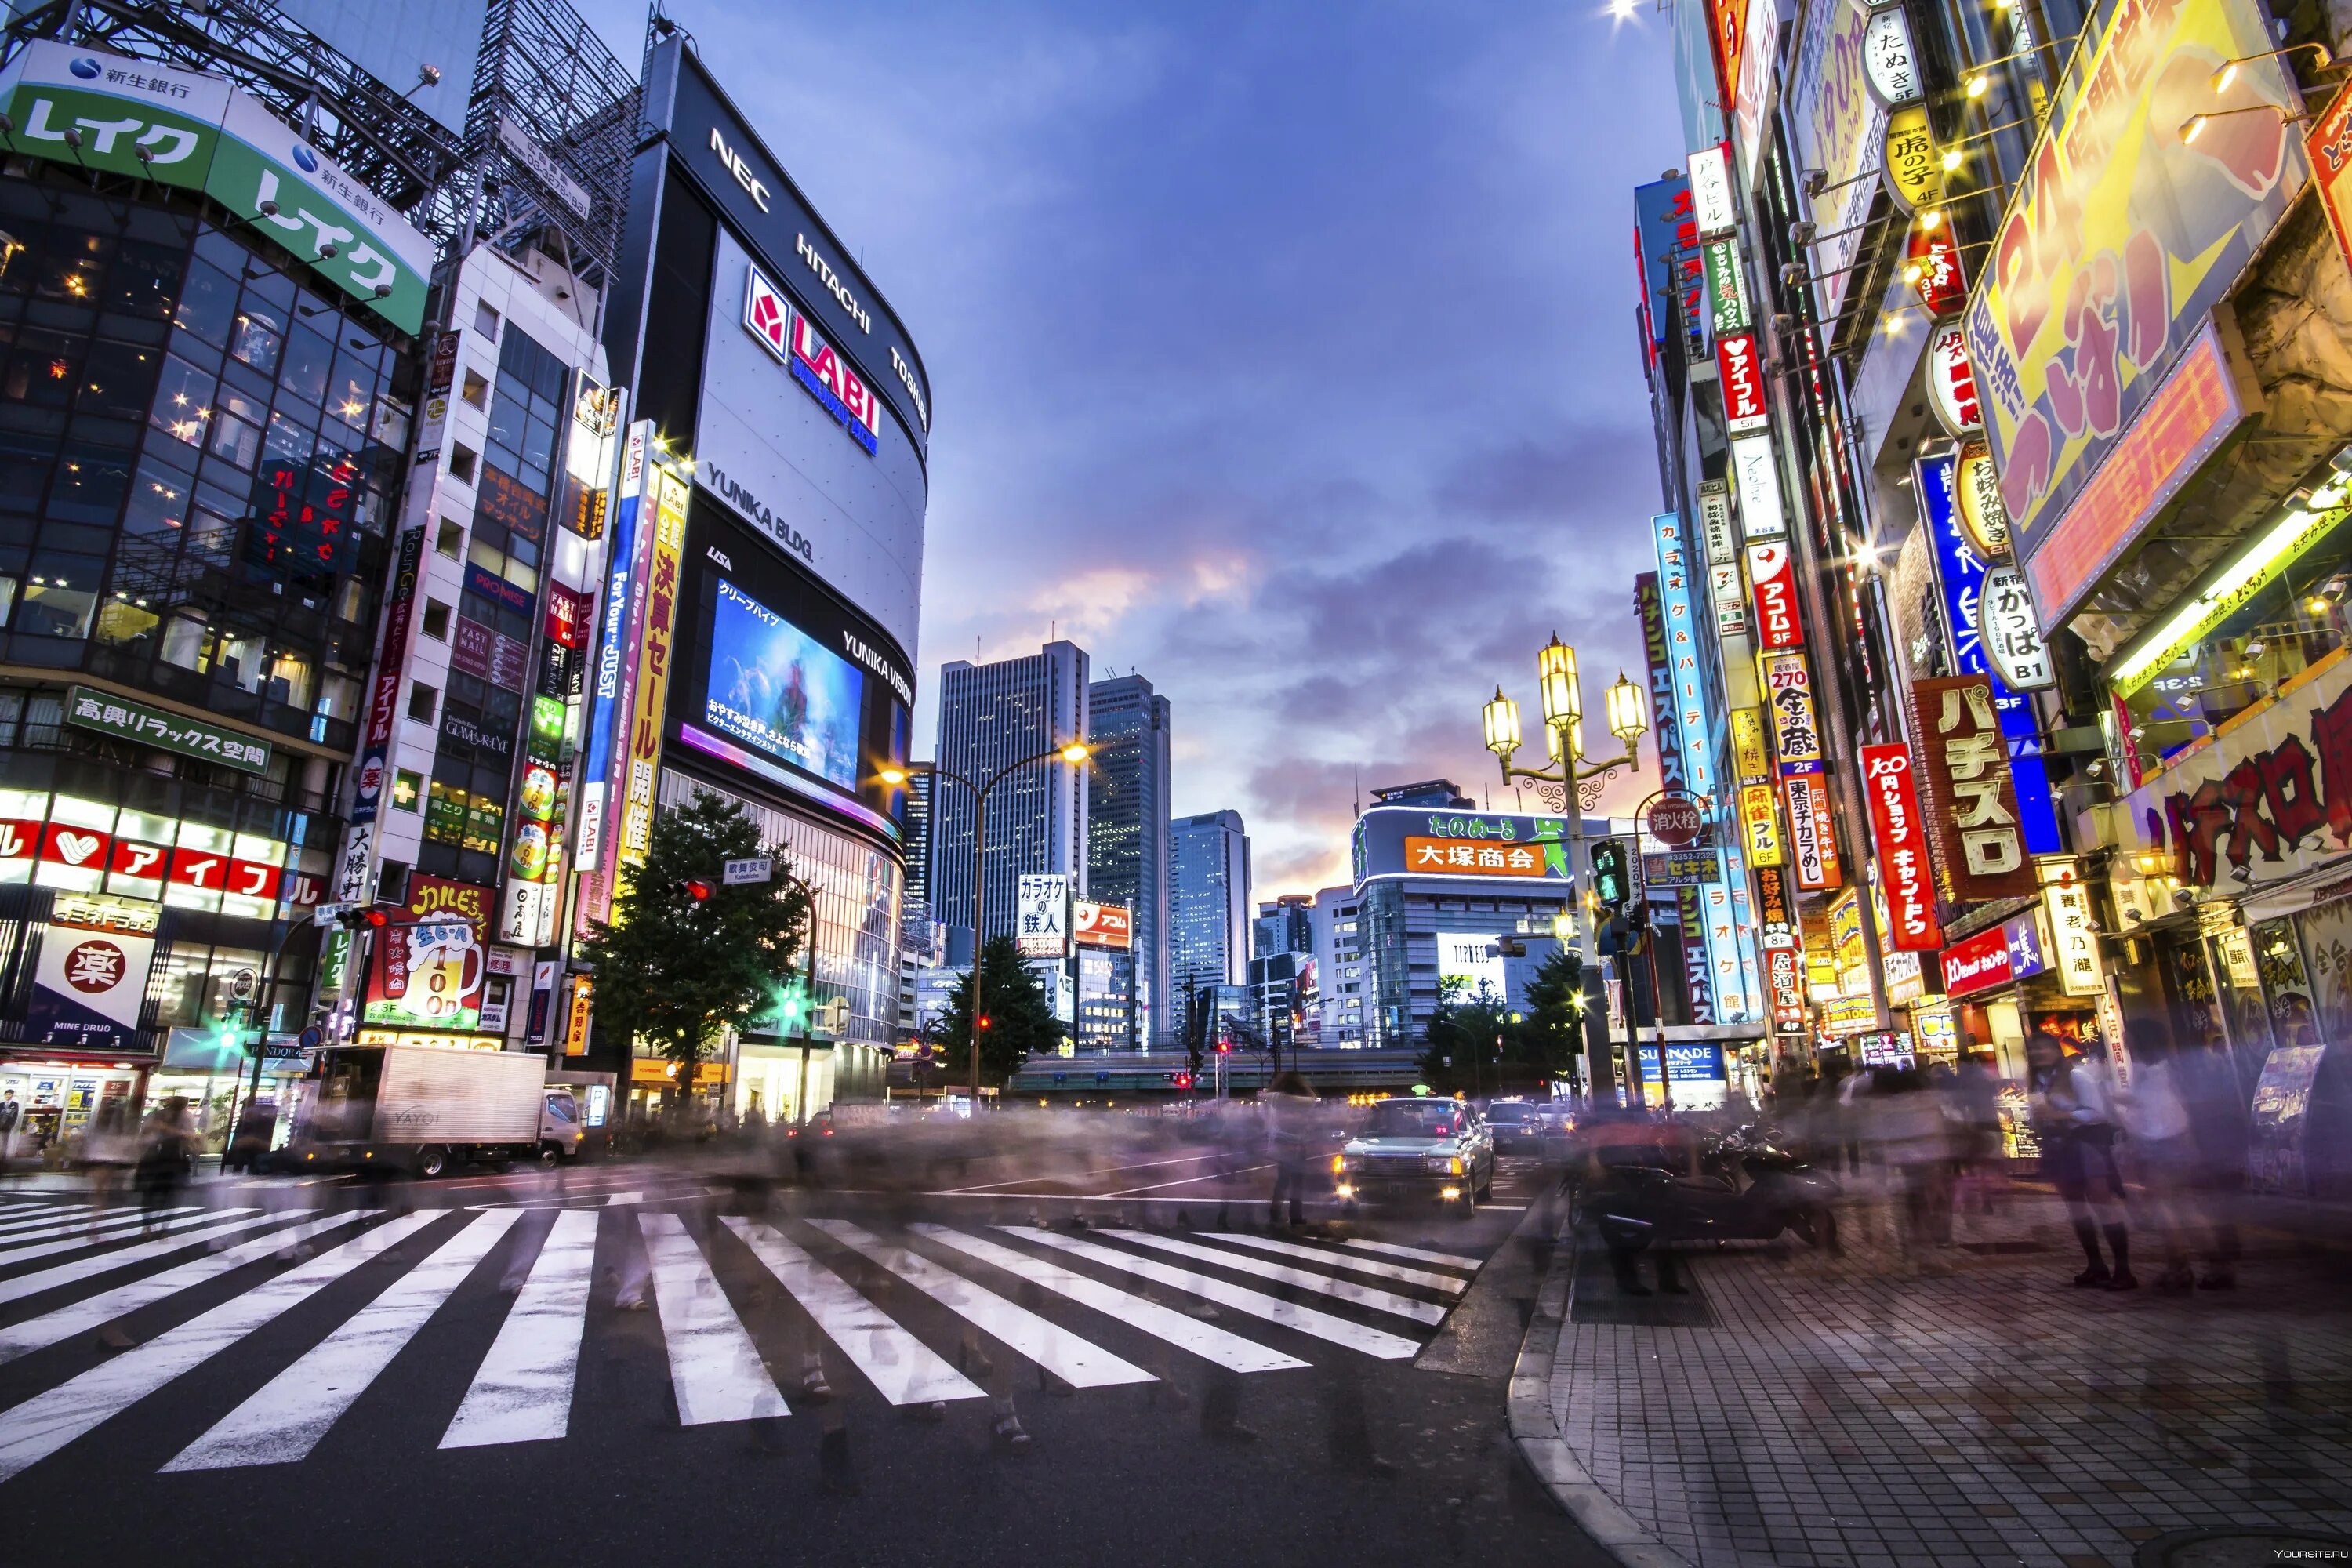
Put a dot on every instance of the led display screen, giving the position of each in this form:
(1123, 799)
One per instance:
(775, 688)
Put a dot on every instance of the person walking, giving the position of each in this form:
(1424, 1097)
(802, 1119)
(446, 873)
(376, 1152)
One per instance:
(166, 1157)
(1976, 1097)
(2206, 1077)
(1291, 1125)
(2072, 1119)
(10, 1114)
(2161, 1152)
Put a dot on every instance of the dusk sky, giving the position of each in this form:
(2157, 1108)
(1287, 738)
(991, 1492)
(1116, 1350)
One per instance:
(1284, 353)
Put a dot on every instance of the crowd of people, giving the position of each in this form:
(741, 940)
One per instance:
(2158, 1146)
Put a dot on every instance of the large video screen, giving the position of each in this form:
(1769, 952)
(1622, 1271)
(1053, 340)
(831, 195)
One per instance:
(778, 681)
(776, 688)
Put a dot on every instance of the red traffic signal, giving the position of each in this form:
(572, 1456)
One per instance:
(371, 917)
(1184, 1081)
(1225, 1048)
(983, 1021)
(697, 888)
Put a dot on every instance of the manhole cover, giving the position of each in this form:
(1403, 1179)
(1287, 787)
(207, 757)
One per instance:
(2240, 1549)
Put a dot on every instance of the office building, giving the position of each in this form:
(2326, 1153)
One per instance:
(1285, 924)
(1127, 831)
(1338, 943)
(1208, 904)
(991, 718)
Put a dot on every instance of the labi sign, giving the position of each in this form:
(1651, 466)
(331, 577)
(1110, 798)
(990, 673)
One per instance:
(112, 114)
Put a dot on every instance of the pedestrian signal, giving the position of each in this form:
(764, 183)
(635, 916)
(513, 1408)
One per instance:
(1613, 879)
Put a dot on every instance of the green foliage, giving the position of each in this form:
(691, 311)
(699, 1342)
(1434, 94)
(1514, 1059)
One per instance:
(675, 970)
(1552, 1035)
(1019, 1014)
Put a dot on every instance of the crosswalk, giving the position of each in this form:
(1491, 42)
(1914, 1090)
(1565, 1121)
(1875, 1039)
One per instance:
(923, 1314)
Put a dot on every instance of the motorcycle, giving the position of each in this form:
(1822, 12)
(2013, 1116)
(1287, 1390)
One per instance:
(1746, 1188)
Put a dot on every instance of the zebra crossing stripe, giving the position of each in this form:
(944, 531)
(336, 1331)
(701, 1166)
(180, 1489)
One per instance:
(1330, 1260)
(285, 1419)
(1064, 1355)
(1283, 1274)
(903, 1368)
(164, 1246)
(522, 1390)
(107, 1236)
(1206, 1341)
(94, 1312)
(17, 1235)
(1418, 1254)
(714, 1368)
(1376, 1343)
(31, 1431)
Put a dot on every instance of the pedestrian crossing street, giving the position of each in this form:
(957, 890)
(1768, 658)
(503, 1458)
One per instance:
(925, 1316)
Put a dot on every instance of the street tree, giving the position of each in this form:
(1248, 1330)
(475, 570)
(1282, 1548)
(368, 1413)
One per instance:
(1021, 1019)
(1551, 1038)
(684, 955)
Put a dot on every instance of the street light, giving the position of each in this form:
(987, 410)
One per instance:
(1573, 782)
(1074, 752)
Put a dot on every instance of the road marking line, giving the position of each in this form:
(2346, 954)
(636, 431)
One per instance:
(1378, 1342)
(1334, 1259)
(614, 1200)
(522, 1390)
(107, 1236)
(1419, 1255)
(1211, 1177)
(31, 1431)
(284, 1420)
(1505, 1208)
(26, 1234)
(714, 1368)
(179, 1240)
(903, 1368)
(1076, 1362)
(92, 1311)
(1283, 1274)
(1081, 1175)
(1229, 1350)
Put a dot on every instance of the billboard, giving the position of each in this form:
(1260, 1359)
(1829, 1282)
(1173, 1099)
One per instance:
(778, 678)
(428, 974)
(91, 977)
(793, 441)
(1042, 920)
(1102, 925)
(1969, 796)
(1416, 841)
(2147, 195)
(1471, 961)
(1840, 127)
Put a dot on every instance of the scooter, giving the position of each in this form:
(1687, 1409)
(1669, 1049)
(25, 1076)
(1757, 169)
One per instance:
(1634, 1205)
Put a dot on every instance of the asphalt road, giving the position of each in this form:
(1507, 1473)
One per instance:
(612, 1367)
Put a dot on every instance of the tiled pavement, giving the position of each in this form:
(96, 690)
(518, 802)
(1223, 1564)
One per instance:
(1857, 1413)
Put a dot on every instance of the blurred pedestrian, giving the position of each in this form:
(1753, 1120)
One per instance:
(1292, 1126)
(108, 1149)
(2205, 1076)
(2161, 1153)
(166, 1158)
(1976, 1103)
(10, 1113)
(2072, 1119)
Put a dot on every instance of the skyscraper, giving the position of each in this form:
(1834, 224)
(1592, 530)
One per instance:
(1127, 832)
(993, 716)
(1285, 924)
(1208, 903)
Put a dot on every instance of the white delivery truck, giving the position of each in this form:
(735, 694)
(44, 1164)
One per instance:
(424, 1109)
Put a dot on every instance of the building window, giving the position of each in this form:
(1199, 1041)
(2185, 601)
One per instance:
(437, 620)
(451, 540)
(485, 321)
(421, 700)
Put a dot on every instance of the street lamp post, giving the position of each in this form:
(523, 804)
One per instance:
(1073, 753)
(1575, 785)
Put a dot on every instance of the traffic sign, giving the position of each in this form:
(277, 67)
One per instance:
(1675, 821)
(757, 868)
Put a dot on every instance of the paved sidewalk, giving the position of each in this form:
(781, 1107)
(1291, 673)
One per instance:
(1857, 1413)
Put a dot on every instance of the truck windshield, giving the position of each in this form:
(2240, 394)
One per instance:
(344, 1106)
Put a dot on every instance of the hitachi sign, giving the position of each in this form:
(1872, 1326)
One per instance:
(832, 281)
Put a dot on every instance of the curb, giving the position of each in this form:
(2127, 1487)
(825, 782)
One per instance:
(1538, 1436)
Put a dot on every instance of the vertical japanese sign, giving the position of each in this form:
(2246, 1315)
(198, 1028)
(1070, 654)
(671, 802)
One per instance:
(1788, 682)
(608, 714)
(2074, 934)
(1812, 841)
(1665, 246)
(1663, 705)
(1906, 876)
(1970, 794)
(1755, 480)
(652, 707)
(1960, 581)
(383, 717)
(1772, 575)
(1698, 716)
(1739, 363)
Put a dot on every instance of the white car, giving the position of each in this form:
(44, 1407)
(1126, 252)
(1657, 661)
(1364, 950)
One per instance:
(1418, 1149)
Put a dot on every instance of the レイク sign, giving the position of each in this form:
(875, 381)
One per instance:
(1903, 871)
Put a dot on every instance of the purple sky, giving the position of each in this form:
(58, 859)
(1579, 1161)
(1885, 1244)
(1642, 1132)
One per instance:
(1284, 353)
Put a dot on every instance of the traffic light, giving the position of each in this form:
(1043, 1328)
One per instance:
(1613, 876)
(365, 917)
(697, 888)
